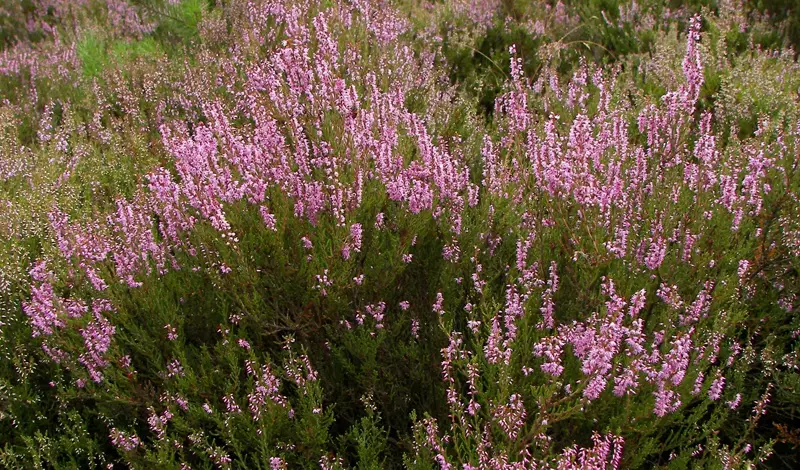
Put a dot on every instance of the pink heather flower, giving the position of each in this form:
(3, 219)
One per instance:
(548, 306)
(379, 220)
(323, 282)
(715, 391)
(124, 441)
(377, 311)
(158, 424)
(638, 301)
(172, 333)
(75, 308)
(476, 280)
(700, 307)
(97, 339)
(267, 388)
(87, 244)
(269, 219)
(451, 253)
(307, 243)
(511, 417)
(736, 348)
(230, 404)
(407, 258)
(438, 305)
(473, 375)
(300, 371)
(451, 353)
(733, 404)
(175, 369)
(551, 348)
(698, 383)
(40, 273)
(43, 310)
(670, 296)
(595, 387)
(415, 328)
(627, 382)
(355, 234)
(675, 363)
(354, 241)
(404, 305)
(494, 348)
(327, 463)
(761, 405)
(692, 62)
(244, 344)
(430, 429)
(656, 253)
(601, 456)
(744, 266)
(219, 457)
(667, 401)
(277, 463)
(182, 403)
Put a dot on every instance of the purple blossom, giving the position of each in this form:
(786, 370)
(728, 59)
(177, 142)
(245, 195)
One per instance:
(715, 391)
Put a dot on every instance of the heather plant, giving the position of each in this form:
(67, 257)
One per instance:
(361, 234)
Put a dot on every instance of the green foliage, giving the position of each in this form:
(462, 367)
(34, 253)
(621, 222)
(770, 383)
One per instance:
(482, 67)
(178, 20)
(125, 51)
(92, 53)
(368, 439)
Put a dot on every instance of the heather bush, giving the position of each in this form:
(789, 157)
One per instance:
(367, 234)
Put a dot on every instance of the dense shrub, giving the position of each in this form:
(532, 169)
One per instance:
(461, 234)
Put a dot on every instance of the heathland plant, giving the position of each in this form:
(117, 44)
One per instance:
(368, 234)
